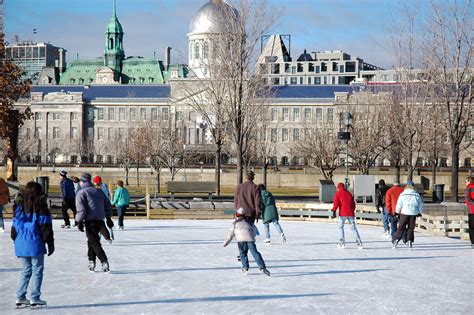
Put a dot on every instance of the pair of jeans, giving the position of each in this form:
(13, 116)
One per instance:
(275, 224)
(121, 213)
(68, 203)
(244, 247)
(351, 221)
(471, 227)
(393, 228)
(31, 267)
(385, 219)
(406, 226)
(95, 249)
(1, 217)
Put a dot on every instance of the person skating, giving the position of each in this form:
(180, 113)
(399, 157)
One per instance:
(391, 199)
(269, 213)
(344, 201)
(409, 206)
(31, 229)
(247, 196)
(99, 184)
(68, 196)
(469, 197)
(121, 200)
(244, 233)
(380, 204)
(92, 208)
(4, 199)
(76, 183)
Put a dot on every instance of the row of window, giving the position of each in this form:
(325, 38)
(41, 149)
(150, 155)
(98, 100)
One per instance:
(276, 68)
(198, 50)
(310, 80)
(56, 134)
(57, 116)
(296, 114)
(131, 114)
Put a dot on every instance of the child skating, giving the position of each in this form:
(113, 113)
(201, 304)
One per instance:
(244, 233)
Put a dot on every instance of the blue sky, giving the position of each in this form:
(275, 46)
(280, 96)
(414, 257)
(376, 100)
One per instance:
(359, 27)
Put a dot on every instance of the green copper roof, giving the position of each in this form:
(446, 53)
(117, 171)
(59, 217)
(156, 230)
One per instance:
(80, 72)
(114, 25)
(142, 71)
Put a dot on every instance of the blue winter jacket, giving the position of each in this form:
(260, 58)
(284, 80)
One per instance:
(121, 197)
(409, 202)
(91, 204)
(67, 189)
(30, 232)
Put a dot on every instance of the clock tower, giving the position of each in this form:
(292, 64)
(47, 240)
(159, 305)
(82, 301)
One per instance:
(114, 53)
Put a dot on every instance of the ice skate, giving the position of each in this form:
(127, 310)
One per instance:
(20, 303)
(394, 243)
(265, 271)
(65, 226)
(105, 267)
(283, 238)
(245, 271)
(38, 303)
(472, 246)
(267, 240)
(359, 245)
(341, 244)
(410, 244)
(386, 234)
(120, 227)
(91, 266)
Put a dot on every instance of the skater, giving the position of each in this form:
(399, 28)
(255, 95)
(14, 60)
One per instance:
(247, 197)
(92, 209)
(121, 200)
(409, 206)
(391, 199)
(77, 186)
(269, 213)
(99, 184)
(32, 228)
(380, 204)
(4, 199)
(68, 196)
(244, 233)
(469, 197)
(344, 201)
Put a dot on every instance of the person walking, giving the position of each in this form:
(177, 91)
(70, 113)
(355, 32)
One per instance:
(32, 228)
(344, 201)
(99, 184)
(75, 181)
(380, 204)
(269, 213)
(409, 206)
(247, 196)
(92, 208)
(244, 233)
(469, 198)
(68, 196)
(121, 200)
(391, 199)
(4, 199)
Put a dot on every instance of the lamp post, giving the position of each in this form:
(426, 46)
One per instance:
(184, 161)
(346, 135)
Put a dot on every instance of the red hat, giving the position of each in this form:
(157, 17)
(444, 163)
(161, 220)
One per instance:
(97, 180)
(339, 186)
(239, 212)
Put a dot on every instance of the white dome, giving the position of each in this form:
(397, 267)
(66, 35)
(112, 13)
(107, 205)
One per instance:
(213, 17)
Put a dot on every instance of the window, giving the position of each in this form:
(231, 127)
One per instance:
(90, 133)
(55, 132)
(73, 116)
(191, 51)
(293, 80)
(90, 114)
(37, 116)
(317, 80)
(133, 114)
(122, 133)
(165, 112)
(274, 114)
(333, 80)
(111, 113)
(324, 67)
(273, 135)
(301, 80)
(143, 114)
(293, 69)
(335, 66)
(205, 50)
(73, 133)
(110, 134)
(318, 69)
(307, 114)
(284, 134)
(468, 135)
(325, 80)
(319, 115)
(122, 114)
(396, 77)
(179, 116)
(285, 114)
(296, 135)
(81, 81)
(100, 114)
(56, 116)
(309, 80)
(154, 114)
(296, 114)
(74, 159)
(38, 132)
(330, 113)
(341, 68)
(196, 51)
(100, 133)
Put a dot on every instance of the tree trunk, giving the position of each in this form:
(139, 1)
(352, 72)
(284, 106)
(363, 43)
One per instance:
(433, 174)
(138, 174)
(217, 170)
(265, 168)
(240, 164)
(454, 173)
(126, 176)
(411, 170)
(398, 173)
(158, 182)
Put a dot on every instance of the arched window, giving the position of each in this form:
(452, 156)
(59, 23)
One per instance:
(72, 81)
(284, 160)
(196, 51)
(111, 43)
(205, 50)
(191, 51)
(81, 81)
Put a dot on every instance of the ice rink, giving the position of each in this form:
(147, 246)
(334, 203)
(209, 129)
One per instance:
(162, 267)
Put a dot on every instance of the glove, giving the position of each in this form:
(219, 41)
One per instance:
(333, 215)
(50, 249)
(110, 223)
(80, 226)
(378, 210)
(418, 215)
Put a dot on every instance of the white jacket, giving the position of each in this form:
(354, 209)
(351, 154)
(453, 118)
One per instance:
(242, 231)
(409, 202)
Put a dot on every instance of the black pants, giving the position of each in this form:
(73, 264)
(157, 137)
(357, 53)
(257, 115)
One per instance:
(68, 203)
(95, 249)
(406, 221)
(471, 227)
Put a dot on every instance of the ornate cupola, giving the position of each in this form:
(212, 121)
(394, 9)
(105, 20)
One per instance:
(114, 53)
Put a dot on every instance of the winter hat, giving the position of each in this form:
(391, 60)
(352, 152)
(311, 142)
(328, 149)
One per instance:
(239, 212)
(86, 178)
(410, 183)
(97, 180)
(63, 173)
(341, 186)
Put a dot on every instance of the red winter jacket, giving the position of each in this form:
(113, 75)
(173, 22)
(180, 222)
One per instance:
(344, 201)
(391, 198)
(469, 196)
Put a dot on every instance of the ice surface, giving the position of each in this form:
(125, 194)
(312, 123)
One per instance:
(181, 267)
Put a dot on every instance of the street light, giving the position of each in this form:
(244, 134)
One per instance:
(184, 161)
(346, 135)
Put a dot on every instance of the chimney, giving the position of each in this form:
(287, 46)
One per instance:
(61, 64)
(167, 57)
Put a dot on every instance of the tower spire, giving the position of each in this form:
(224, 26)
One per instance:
(114, 9)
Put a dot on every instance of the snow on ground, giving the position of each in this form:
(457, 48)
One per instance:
(181, 267)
